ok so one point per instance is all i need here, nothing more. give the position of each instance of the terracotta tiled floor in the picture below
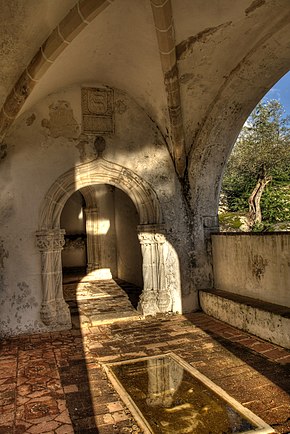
(55, 383)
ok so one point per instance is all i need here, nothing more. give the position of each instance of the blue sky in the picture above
(281, 92)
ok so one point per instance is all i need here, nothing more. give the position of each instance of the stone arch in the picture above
(241, 91)
(50, 237)
(100, 171)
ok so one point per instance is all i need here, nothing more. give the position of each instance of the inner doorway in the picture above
(102, 261)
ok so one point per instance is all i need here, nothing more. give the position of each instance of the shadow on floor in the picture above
(75, 381)
(74, 375)
(277, 373)
(133, 292)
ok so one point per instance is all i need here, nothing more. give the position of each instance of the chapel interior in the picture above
(117, 120)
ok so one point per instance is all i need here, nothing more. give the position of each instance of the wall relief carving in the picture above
(98, 110)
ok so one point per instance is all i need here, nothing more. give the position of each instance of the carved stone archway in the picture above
(50, 237)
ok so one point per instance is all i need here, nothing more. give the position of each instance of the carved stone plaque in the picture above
(98, 110)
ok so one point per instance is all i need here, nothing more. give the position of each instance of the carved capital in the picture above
(50, 240)
(44, 241)
(159, 238)
(147, 238)
(58, 240)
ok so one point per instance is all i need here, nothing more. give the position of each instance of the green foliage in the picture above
(276, 204)
(230, 219)
(262, 149)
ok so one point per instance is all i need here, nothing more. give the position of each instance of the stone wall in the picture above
(253, 265)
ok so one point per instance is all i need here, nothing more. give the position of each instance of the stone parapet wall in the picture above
(270, 326)
(254, 265)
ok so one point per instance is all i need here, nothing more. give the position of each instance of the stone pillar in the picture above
(54, 310)
(210, 226)
(62, 310)
(155, 296)
(93, 250)
(164, 297)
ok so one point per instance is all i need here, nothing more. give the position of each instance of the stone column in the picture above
(54, 311)
(155, 296)
(62, 309)
(93, 251)
(45, 246)
(210, 226)
(164, 298)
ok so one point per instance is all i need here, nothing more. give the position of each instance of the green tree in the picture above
(261, 156)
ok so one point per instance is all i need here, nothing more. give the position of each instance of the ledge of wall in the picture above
(266, 322)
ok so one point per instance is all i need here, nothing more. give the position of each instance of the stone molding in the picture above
(164, 26)
(100, 171)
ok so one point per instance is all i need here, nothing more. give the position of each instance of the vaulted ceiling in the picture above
(177, 58)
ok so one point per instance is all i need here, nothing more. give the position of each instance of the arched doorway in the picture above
(100, 223)
(101, 257)
(50, 236)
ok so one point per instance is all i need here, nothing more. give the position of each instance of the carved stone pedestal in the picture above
(155, 296)
(148, 302)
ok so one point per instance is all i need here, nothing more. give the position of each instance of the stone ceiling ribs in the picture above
(163, 19)
(71, 26)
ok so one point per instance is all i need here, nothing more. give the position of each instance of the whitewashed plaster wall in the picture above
(253, 265)
(105, 201)
(72, 217)
(129, 257)
(44, 143)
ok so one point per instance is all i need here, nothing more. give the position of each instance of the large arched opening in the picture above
(244, 269)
